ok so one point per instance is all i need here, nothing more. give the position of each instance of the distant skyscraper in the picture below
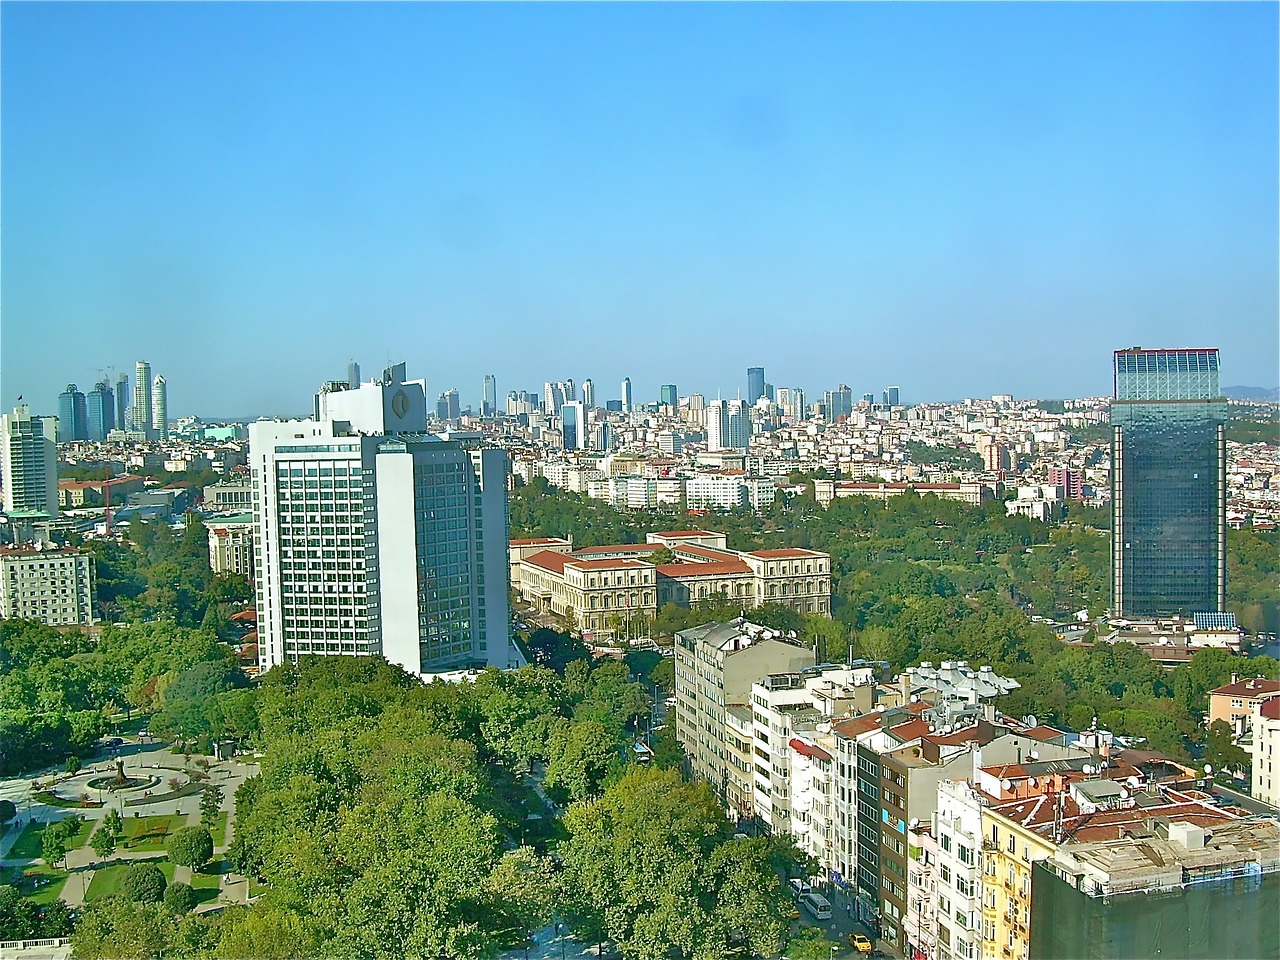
(573, 422)
(102, 410)
(353, 375)
(449, 406)
(669, 395)
(755, 384)
(159, 408)
(1168, 484)
(122, 401)
(570, 390)
(28, 463)
(839, 402)
(142, 397)
(489, 404)
(739, 424)
(552, 398)
(869, 399)
(892, 396)
(589, 394)
(73, 414)
(626, 394)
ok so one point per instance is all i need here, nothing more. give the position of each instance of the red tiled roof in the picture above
(1271, 708)
(1248, 687)
(1044, 733)
(966, 735)
(808, 749)
(911, 729)
(249, 615)
(871, 721)
(681, 571)
(548, 560)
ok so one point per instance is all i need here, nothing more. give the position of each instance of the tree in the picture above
(73, 765)
(118, 927)
(103, 843)
(179, 898)
(7, 811)
(53, 843)
(191, 847)
(144, 882)
(114, 822)
(210, 805)
(1223, 753)
(810, 943)
(580, 757)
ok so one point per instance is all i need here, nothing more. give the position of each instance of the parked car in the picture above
(861, 942)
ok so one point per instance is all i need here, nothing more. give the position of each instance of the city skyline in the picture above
(843, 193)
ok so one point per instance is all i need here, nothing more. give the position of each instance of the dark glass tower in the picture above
(1168, 484)
(755, 384)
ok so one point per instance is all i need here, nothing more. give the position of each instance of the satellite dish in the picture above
(931, 728)
(1134, 782)
(1031, 720)
(1087, 769)
(1031, 782)
(1006, 784)
(1124, 794)
(915, 822)
(1033, 755)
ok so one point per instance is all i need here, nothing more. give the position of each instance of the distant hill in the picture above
(1252, 393)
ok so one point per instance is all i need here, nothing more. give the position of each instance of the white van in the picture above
(816, 904)
(799, 887)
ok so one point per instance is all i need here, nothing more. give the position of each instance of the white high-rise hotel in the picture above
(373, 537)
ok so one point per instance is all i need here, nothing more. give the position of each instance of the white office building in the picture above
(159, 408)
(372, 537)
(28, 463)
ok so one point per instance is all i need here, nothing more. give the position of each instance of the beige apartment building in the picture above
(716, 665)
(54, 586)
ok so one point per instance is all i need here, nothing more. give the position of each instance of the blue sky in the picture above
(961, 199)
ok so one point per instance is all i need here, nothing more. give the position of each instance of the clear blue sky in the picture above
(961, 199)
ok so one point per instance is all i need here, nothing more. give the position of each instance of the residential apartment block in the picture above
(716, 665)
(49, 584)
(231, 545)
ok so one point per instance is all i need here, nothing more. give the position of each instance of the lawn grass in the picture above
(24, 878)
(107, 880)
(207, 883)
(150, 833)
(219, 830)
(27, 846)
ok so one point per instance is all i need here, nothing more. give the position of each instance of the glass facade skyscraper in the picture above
(1168, 484)
(755, 384)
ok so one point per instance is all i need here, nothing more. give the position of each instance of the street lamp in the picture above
(561, 927)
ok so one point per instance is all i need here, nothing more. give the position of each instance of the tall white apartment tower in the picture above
(159, 408)
(28, 463)
(589, 393)
(142, 397)
(374, 538)
(626, 394)
(717, 412)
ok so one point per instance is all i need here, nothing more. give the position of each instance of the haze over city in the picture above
(963, 199)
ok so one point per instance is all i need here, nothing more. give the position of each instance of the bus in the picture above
(816, 904)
